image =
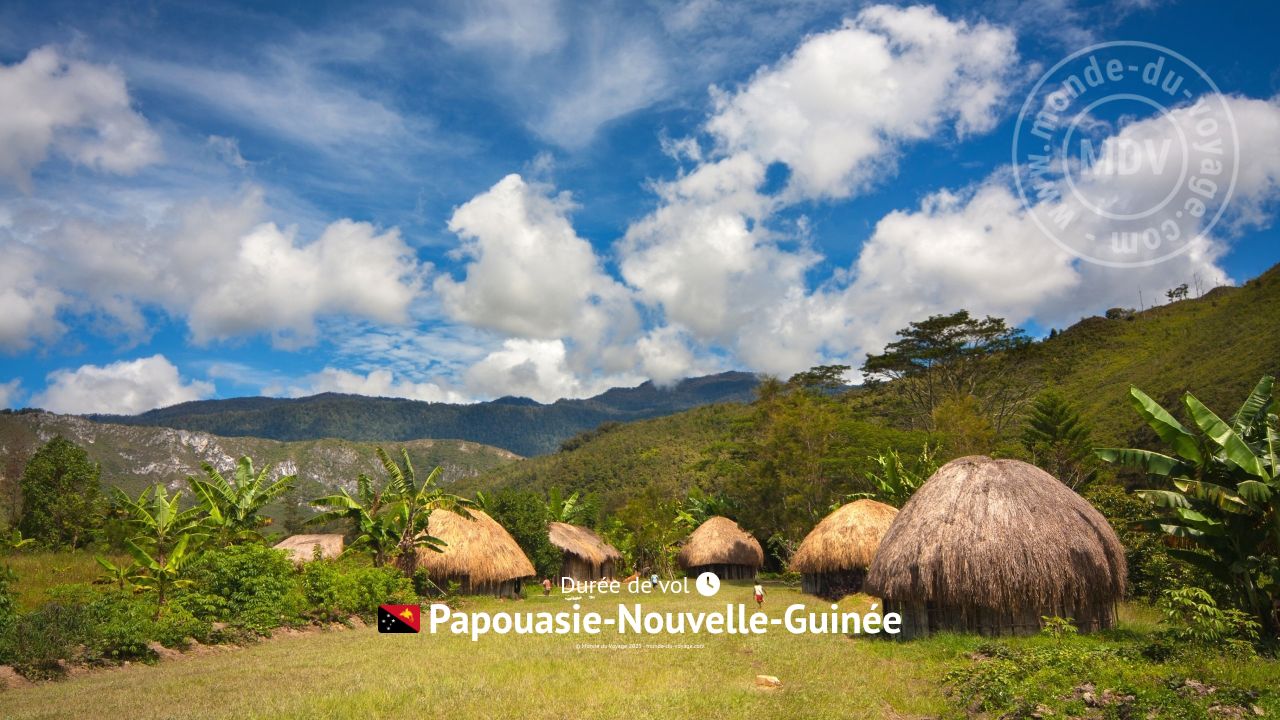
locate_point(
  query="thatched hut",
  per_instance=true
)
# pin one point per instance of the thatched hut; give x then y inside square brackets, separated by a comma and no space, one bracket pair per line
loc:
[481,555]
[991,546]
[835,555]
[302,548]
[721,547]
[586,556]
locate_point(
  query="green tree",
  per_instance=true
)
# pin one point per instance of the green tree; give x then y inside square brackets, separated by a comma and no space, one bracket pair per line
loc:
[61,496]
[895,480]
[965,430]
[563,508]
[367,515]
[1223,513]
[162,541]
[950,356]
[525,515]
[234,508]
[1059,441]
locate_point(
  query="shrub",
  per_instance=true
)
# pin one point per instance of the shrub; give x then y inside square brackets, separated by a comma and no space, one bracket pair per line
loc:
[251,586]
[178,625]
[8,609]
[1151,568]
[336,589]
[123,627]
[37,642]
[1194,618]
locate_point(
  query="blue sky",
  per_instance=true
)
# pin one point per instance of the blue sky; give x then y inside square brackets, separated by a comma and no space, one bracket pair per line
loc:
[547,199]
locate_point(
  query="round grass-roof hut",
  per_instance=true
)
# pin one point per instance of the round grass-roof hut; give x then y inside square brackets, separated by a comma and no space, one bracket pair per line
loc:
[586,556]
[991,546]
[481,555]
[302,548]
[835,555]
[720,546]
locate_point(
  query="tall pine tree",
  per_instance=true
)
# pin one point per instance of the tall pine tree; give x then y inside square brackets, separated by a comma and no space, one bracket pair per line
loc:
[1059,440]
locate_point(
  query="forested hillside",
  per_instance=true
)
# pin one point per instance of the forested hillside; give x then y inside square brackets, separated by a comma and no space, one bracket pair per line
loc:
[519,425]
[782,462]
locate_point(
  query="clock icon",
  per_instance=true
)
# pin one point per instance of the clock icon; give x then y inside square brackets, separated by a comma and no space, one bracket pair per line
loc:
[708,584]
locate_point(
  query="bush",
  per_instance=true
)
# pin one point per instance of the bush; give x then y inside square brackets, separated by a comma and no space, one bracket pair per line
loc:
[36,642]
[178,625]
[1151,569]
[123,627]
[337,589]
[251,586]
[8,609]
[1194,619]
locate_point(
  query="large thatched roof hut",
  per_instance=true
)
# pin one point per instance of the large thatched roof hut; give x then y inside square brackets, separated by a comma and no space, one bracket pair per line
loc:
[586,556]
[720,546]
[991,546]
[835,555]
[302,548]
[481,555]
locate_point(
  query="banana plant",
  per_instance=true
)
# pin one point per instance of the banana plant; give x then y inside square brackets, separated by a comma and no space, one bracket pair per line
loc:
[1223,513]
[368,515]
[14,541]
[415,502]
[162,546]
[122,576]
[234,507]
[162,572]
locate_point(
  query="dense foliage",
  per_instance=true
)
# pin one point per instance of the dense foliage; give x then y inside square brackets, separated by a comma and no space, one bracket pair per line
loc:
[61,498]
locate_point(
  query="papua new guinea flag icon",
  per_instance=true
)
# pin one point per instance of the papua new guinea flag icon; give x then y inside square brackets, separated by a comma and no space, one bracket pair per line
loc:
[399,618]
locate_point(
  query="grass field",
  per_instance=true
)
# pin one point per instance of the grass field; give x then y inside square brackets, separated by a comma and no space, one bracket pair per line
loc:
[361,674]
[38,572]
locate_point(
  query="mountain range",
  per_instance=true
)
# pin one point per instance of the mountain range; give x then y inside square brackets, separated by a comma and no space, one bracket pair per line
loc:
[518,425]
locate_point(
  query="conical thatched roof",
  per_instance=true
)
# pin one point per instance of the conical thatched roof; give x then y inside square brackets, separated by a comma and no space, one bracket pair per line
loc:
[845,539]
[582,542]
[478,548]
[301,548]
[998,534]
[719,541]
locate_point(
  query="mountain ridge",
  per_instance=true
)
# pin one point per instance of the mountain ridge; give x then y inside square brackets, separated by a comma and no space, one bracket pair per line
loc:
[520,425]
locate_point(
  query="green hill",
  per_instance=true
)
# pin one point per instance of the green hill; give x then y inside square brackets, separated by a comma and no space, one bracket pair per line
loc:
[1216,346]
[133,457]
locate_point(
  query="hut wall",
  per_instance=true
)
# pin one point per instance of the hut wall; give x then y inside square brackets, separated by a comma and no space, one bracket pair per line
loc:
[725,571]
[579,568]
[921,619]
[504,589]
[834,585]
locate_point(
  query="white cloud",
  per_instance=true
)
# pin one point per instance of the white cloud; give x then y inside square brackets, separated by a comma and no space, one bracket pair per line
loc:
[220,266]
[120,388]
[10,392]
[535,369]
[525,28]
[836,110]
[376,383]
[78,109]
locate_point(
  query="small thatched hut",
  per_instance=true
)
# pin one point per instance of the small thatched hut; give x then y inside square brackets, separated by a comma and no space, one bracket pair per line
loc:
[835,555]
[586,556]
[991,546]
[302,548]
[481,555]
[721,547]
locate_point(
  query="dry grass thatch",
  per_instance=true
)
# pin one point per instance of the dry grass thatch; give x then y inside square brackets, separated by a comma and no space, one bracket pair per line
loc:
[479,549]
[1004,536]
[719,541]
[301,548]
[846,539]
[582,542]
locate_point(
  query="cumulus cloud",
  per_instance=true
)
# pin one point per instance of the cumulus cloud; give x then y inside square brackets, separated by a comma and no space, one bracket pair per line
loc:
[837,109]
[77,109]
[834,112]
[222,267]
[120,388]
[536,369]
[376,383]
[10,392]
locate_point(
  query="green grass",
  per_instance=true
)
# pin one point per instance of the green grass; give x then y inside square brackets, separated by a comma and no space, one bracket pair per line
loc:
[40,571]
[361,674]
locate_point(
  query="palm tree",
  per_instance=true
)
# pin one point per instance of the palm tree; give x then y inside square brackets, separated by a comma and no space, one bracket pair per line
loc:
[234,507]
[161,547]
[368,516]
[416,501]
